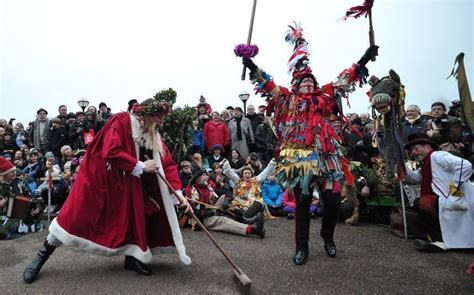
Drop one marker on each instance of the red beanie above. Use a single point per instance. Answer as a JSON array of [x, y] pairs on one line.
[[6, 166]]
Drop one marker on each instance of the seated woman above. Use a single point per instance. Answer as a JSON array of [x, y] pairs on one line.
[[236, 161], [247, 201]]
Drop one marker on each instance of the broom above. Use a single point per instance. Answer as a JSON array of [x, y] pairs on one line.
[[244, 281]]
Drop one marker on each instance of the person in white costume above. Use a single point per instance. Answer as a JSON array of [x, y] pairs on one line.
[[446, 201]]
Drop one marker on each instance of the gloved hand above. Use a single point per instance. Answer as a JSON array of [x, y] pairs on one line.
[[225, 166], [372, 51], [249, 64]]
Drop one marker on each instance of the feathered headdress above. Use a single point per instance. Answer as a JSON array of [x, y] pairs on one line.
[[294, 36]]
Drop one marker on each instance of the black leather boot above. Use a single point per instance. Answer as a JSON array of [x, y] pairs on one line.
[[300, 257], [330, 248], [32, 270], [131, 263], [257, 227]]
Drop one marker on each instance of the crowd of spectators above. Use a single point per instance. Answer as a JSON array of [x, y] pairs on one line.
[[233, 147]]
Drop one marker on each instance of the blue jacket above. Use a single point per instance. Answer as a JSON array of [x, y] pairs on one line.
[[272, 193]]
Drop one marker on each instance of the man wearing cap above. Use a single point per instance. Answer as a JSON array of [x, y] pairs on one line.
[[131, 104], [118, 205], [12, 186], [446, 201], [40, 130], [241, 133], [103, 115], [442, 128]]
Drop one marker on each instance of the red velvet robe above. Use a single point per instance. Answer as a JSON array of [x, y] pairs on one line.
[[108, 211]]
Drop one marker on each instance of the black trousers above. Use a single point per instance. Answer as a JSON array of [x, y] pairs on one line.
[[331, 205]]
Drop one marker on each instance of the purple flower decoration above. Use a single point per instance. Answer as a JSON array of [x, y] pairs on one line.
[[244, 50]]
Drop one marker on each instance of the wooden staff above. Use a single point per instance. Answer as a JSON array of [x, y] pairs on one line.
[[371, 33], [249, 37]]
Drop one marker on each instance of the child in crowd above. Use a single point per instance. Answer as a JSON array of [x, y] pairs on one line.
[[221, 180], [272, 194], [185, 173]]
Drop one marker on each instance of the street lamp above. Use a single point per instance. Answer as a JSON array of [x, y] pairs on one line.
[[83, 103], [244, 96]]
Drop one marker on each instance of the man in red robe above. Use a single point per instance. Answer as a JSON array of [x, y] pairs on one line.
[[118, 205]]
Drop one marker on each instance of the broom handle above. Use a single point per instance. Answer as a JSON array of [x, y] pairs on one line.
[[249, 37], [172, 190], [210, 206]]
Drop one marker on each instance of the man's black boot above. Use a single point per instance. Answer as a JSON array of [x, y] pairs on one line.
[[300, 257], [131, 263], [257, 227], [330, 248], [33, 268], [249, 220]]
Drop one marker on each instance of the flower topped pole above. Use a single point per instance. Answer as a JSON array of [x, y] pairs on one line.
[[248, 52], [363, 10]]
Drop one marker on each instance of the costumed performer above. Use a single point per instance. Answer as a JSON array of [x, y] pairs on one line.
[[309, 146], [118, 205]]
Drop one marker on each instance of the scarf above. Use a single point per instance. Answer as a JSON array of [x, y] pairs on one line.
[[412, 121], [426, 176], [239, 129]]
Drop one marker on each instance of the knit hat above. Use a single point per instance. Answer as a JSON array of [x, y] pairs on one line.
[[49, 155], [41, 110], [102, 104], [6, 166], [64, 148]]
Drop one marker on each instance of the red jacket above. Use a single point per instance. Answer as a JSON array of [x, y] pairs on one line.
[[216, 134]]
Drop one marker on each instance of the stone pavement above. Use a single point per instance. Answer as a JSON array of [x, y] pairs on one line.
[[369, 260]]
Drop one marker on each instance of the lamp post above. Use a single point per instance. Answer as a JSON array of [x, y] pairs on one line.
[[83, 103], [244, 96]]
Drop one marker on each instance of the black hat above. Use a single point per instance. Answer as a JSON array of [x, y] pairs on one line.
[[102, 104], [41, 110], [70, 115], [132, 102], [196, 174], [438, 103], [419, 138]]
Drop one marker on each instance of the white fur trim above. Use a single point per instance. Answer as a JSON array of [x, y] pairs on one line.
[[168, 201], [138, 170], [74, 241]]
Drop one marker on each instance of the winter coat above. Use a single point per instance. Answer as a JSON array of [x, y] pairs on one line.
[[215, 133], [247, 136], [272, 193]]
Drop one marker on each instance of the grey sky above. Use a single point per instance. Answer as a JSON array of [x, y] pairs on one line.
[[55, 51]]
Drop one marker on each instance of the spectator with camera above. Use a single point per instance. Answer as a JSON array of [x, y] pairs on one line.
[[76, 133], [442, 128]]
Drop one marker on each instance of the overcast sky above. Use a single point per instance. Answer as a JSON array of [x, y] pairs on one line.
[[54, 52]]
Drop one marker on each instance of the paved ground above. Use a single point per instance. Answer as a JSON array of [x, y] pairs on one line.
[[369, 260]]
